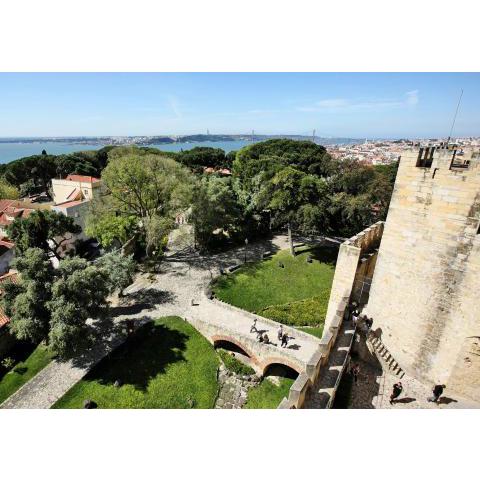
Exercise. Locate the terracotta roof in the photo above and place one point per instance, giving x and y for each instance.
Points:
(82, 178)
(4, 204)
(12, 211)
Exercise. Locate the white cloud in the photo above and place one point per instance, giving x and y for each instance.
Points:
(174, 105)
(412, 97)
(343, 104)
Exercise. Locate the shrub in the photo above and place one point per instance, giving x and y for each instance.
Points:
(234, 365)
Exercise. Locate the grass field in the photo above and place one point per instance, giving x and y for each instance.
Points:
(294, 295)
(24, 371)
(166, 364)
(267, 394)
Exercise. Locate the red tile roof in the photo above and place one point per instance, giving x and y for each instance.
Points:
(82, 178)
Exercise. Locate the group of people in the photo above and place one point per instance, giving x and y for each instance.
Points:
(263, 337)
(398, 389)
(368, 322)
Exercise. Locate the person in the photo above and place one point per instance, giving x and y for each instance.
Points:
(397, 390)
(368, 323)
(266, 340)
(356, 372)
(253, 328)
(284, 340)
(437, 393)
(355, 318)
(280, 332)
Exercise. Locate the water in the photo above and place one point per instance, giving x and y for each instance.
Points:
(14, 150)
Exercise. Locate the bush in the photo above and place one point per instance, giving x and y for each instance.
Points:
(234, 365)
(311, 311)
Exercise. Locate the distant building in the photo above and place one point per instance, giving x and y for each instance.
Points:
(75, 187)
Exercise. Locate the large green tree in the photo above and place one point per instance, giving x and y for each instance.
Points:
(298, 200)
(214, 208)
(45, 229)
(26, 302)
(153, 188)
(63, 305)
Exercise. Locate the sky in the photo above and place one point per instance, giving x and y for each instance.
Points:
(356, 105)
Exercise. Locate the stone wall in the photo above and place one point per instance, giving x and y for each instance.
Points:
(349, 256)
(424, 293)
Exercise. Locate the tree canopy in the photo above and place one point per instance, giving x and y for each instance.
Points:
(45, 229)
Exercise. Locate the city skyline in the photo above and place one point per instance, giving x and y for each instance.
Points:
(354, 105)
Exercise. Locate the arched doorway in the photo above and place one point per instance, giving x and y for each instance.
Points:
(230, 347)
(280, 370)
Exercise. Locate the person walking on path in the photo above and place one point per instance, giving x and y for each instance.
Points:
(355, 318)
(437, 393)
(253, 328)
(284, 340)
(280, 332)
(397, 390)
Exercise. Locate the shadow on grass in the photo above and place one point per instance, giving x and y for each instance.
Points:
(18, 353)
(143, 356)
(323, 254)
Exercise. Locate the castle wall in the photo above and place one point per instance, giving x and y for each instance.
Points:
(350, 269)
(425, 291)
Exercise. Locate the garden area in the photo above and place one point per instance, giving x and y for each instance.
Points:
(290, 290)
(268, 394)
(26, 361)
(165, 364)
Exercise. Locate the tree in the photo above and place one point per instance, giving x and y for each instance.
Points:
(7, 190)
(214, 208)
(152, 188)
(199, 157)
(296, 199)
(156, 233)
(45, 229)
(105, 224)
(25, 302)
(78, 294)
(147, 185)
(119, 269)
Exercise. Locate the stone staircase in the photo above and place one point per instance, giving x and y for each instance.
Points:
(384, 356)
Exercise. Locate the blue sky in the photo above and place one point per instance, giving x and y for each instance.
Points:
(335, 104)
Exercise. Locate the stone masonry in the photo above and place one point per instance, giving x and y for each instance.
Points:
(424, 294)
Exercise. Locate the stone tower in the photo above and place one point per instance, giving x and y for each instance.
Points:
(425, 292)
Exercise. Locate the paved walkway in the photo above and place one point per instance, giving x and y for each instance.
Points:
(375, 385)
(181, 278)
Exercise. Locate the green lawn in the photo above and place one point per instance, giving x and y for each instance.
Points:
(233, 364)
(267, 394)
(165, 364)
(315, 331)
(24, 371)
(295, 295)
